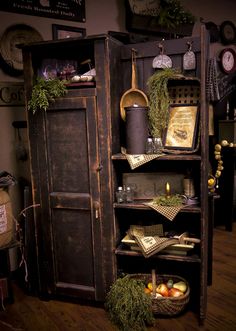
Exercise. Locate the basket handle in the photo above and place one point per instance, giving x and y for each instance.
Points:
(154, 283)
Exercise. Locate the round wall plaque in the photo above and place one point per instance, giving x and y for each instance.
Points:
(14, 36)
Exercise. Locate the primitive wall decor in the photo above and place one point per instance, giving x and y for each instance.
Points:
(11, 54)
(64, 32)
(12, 94)
(73, 10)
(182, 127)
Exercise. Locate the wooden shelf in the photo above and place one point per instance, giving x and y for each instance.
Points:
(140, 205)
(166, 157)
(120, 250)
(81, 84)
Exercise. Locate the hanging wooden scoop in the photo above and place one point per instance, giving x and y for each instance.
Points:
(133, 96)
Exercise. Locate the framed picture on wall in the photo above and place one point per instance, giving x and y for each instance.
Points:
(64, 32)
(182, 127)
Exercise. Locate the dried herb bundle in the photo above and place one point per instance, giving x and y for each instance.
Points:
(129, 307)
(159, 100)
(45, 92)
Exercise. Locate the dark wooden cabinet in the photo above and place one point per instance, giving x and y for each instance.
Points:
(70, 148)
(76, 167)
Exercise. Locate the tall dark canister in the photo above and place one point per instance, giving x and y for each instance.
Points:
(136, 129)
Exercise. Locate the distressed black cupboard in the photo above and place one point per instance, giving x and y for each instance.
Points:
(70, 148)
(76, 167)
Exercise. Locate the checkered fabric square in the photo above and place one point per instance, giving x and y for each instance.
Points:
(146, 230)
(136, 161)
(168, 211)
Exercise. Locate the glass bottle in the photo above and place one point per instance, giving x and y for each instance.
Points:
(129, 194)
(157, 145)
(149, 146)
(120, 195)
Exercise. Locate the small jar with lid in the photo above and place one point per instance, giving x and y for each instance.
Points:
(149, 146)
(157, 145)
(120, 195)
(129, 194)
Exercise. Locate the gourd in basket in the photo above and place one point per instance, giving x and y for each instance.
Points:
(175, 293)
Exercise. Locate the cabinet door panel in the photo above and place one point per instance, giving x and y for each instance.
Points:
(70, 224)
(73, 247)
(68, 150)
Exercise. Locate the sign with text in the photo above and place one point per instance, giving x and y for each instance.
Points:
(72, 10)
(12, 94)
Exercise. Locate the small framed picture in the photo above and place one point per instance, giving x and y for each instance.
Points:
(182, 127)
(64, 32)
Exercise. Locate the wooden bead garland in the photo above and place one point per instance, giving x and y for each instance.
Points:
(218, 157)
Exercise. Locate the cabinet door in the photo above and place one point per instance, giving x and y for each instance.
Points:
(66, 184)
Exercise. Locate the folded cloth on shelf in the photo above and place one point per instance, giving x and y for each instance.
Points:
(151, 245)
(168, 211)
(137, 160)
(149, 238)
(146, 230)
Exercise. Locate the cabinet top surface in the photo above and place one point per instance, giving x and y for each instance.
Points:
(68, 41)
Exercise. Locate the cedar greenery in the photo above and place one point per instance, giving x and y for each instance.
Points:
(129, 307)
(159, 100)
(45, 92)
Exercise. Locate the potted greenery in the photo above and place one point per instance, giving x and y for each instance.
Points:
(172, 14)
(45, 92)
(129, 307)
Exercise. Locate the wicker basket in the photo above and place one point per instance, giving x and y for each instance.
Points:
(168, 306)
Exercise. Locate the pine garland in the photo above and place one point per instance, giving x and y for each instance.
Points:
(45, 92)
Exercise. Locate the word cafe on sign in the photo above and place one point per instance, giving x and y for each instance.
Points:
(11, 94)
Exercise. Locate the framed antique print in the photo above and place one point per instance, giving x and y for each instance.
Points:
(64, 32)
(182, 127)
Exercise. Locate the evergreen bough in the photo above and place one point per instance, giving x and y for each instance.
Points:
(129, 307)
(45, 92)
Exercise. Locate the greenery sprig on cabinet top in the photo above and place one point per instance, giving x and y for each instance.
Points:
(45, 92)
(172, 14)
(159, 99)
(129, 307)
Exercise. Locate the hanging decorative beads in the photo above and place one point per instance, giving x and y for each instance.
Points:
(213, 179)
